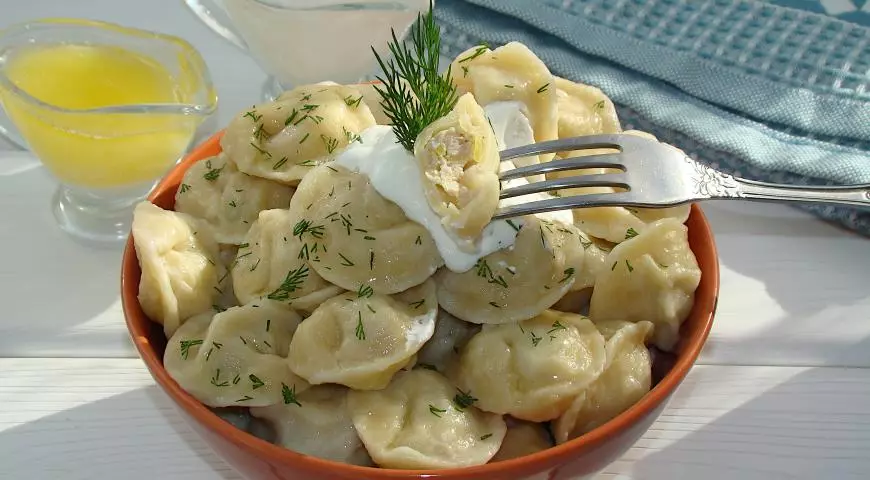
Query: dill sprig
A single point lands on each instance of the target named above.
(414, 94)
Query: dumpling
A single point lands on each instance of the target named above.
(652, 276)
(304, 127)
(585, 258)
(421, 421)
(271, 263)
(522, 438)
(531, 370)
(584, 110)
(361, 339)
(180, 267)
(226, 199)
(626, 379)
(236, 357)
(458, 157)
(451, 334)
(360, 237)
(511, 73)
(512, 284)
(373, 99)
(318, 423)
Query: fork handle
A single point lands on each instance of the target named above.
(854, 195)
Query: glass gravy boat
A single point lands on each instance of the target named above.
(107, 109)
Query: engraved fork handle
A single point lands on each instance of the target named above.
(854, 195)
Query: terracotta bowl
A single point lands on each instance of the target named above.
(258, 459)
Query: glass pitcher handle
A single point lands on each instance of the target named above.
(211, 13)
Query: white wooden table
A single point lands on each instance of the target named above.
(781, 391)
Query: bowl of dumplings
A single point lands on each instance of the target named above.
(323, 302)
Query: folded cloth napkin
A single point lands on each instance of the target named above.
(753, 88)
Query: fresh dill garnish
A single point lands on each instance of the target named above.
(419, 240)
(291, 117)
(613, 267)
(414, 94)
(331, 143)
(544, 88)
(463, 400)
(302, 140)
(352, 102)
(268, 324)
(557, 325)
(213, 173)
(292, 282)
(253, 115)
(508, 86)
(495, 305)
(260, 132)
(304, 226)
(513, 225)
(237, 379)
(599, 105)
(216, 379)
(484, 437)
(371, 260)
(289, 394)
(280, 163)
(217, 308)
(477, 52)
(244, 245)
(436, 411)
(185, 347)
(345, 261)
(484, 271)
(368, 237)
(569, 272)
(630, 233)
(370, 308)
(233, 204)
(360, 331)
(535, 339)
(418, 303)
(628, 266)
(365, 291)
(260, 150)
(184, 187)
(245, 398)
(255, 380)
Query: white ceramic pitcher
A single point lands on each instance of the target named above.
(307, 41)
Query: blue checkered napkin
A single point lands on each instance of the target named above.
(753, 88)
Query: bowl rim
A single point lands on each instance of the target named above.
(555, 455)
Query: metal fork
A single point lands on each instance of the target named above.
(653, 175)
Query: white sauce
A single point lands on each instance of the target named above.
(395, 175)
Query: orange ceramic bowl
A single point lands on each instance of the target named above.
(258, 459)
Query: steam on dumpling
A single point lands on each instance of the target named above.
(522, 438)
(318, 423)
(652, 276)
(307, 126)
(512, 284)
(420, 421)
(355, 237)
(511, 73)
(269, 264)
(451, 334)
(361, 339)
(626, 380)
(226, 199)
(236, 357)
(533, 369)
(459, 159)
(179, 262)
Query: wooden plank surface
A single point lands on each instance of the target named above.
(93, 418)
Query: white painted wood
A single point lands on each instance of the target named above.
(93, 418)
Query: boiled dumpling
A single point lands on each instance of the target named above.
(307, 126)
(318, 423)
(511, 73)
(361, 238)
(271, 263)
(179, 262)
(227, 199)
(625, 380)
(512, 284)
(373, 99)
(451, 334)
(421, 421)
(583, 254)
(458, 157)
(236, 357)
(584, 110)
(533, 369)
(361, 339)
(652, 276)
(522, 438)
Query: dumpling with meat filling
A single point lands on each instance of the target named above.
(236, 357)
(512, 284)
(522, 438)
(356, 237)
(511, 73)
(417, 423)
(458, 157)
(626, 379)
(652, 276)
(303, 128)
(317, 422)
(271, 263)
(226, 199)
(531, 370)
(180, 265)
(361, 339)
